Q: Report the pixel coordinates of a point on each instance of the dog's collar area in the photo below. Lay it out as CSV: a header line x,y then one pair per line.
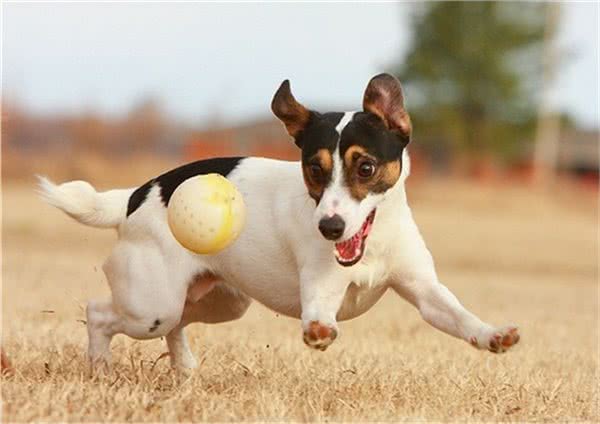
x,y
350,251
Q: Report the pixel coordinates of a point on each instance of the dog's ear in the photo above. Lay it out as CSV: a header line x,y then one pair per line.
x,y
289,111
383,97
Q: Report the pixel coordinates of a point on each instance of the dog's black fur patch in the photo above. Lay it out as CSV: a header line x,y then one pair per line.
x,y
170,180
154,325
320,133
369,131
138,197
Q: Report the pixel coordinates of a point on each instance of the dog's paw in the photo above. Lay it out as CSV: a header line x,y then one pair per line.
x,y
318,335
100,366
497,341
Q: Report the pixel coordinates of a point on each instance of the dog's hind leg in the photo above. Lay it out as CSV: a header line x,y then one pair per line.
x,y
148,296
210,301
179,350
101,326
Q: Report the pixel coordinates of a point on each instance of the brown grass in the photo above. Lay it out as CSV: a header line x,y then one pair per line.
x,y
511,255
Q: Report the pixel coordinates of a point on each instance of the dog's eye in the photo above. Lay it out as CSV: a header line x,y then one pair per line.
x,y
316,172
366,169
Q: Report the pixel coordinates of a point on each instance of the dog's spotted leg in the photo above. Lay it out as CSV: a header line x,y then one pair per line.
x,y
496,340
440,308
319,336
321,297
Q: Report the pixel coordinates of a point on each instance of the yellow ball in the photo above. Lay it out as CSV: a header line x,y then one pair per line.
x,y
206,213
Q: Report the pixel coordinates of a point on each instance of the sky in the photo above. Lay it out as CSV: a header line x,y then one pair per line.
x,y
224,61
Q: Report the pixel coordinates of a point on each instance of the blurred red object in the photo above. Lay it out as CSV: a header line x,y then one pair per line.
x,y
4,362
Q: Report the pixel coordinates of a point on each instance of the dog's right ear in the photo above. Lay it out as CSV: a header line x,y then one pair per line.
x,y
294,116
383,97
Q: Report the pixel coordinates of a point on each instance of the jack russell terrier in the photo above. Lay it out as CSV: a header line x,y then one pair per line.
x,y
324,238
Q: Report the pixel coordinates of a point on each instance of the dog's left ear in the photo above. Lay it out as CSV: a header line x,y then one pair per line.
x,y
383,97
289,111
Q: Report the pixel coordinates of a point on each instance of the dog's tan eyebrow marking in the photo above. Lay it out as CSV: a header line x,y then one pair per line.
x,y
325,160
352,151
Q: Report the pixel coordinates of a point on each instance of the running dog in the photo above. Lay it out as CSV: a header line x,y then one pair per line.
x,y
324,237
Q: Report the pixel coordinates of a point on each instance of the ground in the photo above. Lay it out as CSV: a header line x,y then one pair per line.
x,y
512,255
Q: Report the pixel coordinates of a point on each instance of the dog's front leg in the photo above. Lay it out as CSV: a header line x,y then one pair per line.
x,y
321,294
440,308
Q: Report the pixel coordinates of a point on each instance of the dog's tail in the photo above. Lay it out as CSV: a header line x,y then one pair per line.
x,y
81,201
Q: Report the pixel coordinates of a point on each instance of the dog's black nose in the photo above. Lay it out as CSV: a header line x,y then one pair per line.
x,y
332,228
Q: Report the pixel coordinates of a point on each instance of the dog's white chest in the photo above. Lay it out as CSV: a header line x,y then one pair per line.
x,y
370,271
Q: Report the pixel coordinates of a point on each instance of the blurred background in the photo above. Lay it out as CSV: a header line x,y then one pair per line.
x,y
497,91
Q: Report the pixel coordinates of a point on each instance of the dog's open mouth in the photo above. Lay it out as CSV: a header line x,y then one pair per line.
x,y
349,252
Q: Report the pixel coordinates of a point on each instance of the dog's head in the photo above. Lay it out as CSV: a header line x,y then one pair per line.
x,y
349,160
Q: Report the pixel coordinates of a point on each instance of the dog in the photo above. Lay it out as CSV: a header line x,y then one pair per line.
x,y
324,237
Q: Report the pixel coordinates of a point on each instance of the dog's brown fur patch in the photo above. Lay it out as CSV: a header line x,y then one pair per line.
x,y
325,160
353,153
383,97
390,172
294,115
385,175
297,122
316,187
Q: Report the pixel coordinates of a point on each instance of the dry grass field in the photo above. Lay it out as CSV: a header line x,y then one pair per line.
x,y
512,255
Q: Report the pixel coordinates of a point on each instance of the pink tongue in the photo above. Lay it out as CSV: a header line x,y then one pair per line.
x,y
347,249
